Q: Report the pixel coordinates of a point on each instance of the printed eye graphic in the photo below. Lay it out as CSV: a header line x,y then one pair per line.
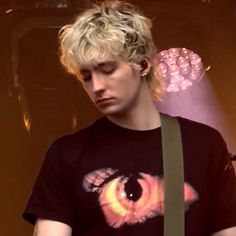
x,y
130,200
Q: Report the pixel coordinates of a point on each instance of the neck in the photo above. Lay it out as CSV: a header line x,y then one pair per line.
x,y
144,116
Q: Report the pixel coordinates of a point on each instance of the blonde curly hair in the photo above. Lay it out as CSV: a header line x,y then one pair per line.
x,y
109,28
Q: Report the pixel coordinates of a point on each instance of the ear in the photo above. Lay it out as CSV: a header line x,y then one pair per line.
x,y
145,65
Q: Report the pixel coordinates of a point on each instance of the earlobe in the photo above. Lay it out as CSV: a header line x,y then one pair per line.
x,y
145,67
144,74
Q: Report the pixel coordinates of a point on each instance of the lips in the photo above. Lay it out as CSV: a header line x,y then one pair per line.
x,y
101,101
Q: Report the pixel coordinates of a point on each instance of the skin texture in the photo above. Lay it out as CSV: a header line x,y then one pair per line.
x,y
121,93
226,232
109,86
51,228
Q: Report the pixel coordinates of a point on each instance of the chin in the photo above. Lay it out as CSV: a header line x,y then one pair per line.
x,y
118,109
111,111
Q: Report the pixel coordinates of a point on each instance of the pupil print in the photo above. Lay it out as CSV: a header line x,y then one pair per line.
x,y
133,189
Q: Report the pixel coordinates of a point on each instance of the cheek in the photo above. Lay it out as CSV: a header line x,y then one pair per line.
x,y
132,83
129,79
88,90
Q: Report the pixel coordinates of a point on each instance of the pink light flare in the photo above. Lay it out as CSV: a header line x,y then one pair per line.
x,y
180,68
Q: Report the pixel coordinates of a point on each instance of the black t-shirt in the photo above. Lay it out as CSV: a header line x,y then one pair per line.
x,y
108,180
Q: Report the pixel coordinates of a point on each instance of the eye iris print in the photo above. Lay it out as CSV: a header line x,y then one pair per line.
x,y
130,199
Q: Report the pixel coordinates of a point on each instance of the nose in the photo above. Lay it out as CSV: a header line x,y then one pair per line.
x,y
98,84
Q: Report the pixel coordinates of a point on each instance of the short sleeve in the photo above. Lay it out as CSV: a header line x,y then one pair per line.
x,y
51,196
222,185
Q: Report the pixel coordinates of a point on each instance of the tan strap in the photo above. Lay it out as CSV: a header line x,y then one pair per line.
x,y
173,176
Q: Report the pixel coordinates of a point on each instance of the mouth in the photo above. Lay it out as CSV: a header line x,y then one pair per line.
x,y
104,101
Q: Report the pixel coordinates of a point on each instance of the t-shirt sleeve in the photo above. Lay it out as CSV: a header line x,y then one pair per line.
x,y
51,197
222,184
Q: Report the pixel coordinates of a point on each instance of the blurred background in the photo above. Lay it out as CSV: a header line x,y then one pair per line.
x,y
40,102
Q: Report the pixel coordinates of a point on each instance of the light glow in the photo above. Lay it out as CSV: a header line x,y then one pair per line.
x,y
180,68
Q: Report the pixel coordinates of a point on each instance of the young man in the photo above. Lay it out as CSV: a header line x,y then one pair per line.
x,y
107,179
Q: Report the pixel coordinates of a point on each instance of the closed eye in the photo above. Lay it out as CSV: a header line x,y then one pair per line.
x,y
107,67
86,75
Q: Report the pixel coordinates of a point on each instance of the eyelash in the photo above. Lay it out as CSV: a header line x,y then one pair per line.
x,y
106,71
86,78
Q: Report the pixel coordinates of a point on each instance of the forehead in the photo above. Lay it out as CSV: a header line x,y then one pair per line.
x,y
93,64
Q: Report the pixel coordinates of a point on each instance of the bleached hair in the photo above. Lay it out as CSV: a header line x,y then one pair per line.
x,y
110,28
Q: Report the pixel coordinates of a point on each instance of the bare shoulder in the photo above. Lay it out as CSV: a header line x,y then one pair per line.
x,y
45,227
226,232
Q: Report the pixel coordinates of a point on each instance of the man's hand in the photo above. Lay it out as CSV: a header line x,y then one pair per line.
x,y
226,232
51,228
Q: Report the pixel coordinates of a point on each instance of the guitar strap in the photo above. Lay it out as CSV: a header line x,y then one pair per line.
x,y
173,176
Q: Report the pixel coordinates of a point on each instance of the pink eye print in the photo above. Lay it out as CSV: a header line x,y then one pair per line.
x,y
93,181
130,200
